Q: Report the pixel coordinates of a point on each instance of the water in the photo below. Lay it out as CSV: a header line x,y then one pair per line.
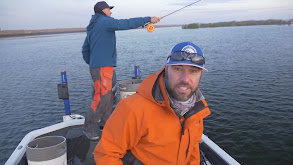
x,y
249,85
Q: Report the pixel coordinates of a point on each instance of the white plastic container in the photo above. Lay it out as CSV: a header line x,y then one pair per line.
x,y
128,87
48,150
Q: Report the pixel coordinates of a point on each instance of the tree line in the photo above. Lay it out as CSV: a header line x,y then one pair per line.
x,y
238,23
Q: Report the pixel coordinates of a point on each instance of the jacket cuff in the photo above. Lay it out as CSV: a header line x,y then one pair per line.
x,y
148,19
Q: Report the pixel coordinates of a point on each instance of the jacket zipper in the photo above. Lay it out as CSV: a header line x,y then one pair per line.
x,y
182,126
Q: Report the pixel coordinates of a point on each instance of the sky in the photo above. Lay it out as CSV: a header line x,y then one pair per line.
x,y
50,14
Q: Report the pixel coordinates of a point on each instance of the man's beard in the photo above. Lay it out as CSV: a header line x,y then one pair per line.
x,y
179,96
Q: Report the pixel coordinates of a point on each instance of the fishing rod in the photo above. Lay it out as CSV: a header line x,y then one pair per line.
x,y
151,27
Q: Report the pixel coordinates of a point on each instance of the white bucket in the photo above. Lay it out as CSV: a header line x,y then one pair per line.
x,y
49,150
128,87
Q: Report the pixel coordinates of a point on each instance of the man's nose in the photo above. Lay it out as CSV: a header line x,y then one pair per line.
x,y
185,77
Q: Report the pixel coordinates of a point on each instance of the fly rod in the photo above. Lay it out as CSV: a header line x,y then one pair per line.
x,y
151,27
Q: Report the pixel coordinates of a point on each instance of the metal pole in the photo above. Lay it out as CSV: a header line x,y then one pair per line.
x,y
66,100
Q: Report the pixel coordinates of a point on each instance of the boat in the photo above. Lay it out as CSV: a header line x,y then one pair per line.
x,y
79,149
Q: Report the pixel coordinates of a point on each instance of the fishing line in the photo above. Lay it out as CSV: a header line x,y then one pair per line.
x,y
151,27
179,9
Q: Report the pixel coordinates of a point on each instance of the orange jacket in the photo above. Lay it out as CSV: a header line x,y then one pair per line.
x,y
145,124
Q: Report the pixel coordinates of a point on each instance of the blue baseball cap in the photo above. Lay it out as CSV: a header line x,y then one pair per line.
x,y
187,48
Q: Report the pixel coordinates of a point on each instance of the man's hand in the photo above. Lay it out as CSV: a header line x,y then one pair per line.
x,y
155,19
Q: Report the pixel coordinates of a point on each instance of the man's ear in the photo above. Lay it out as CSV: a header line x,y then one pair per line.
x,y
166,67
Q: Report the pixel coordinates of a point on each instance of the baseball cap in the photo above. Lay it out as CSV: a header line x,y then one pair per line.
x,y
188,53
101,6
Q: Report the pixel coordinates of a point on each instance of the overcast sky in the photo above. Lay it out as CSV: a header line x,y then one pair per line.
x,y
47,14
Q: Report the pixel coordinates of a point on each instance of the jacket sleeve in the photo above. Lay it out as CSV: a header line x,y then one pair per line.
x,y
125,24
86,50
121,132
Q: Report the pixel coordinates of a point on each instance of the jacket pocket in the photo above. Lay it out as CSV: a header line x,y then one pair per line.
x,y
106,78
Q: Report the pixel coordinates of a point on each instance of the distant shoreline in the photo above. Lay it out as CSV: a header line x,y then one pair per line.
x,y
238,23
21,33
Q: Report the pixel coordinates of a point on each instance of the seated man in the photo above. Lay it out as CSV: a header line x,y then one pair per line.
x,y
162,123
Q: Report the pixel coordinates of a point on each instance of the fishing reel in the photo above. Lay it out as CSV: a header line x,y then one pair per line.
x,y
150,27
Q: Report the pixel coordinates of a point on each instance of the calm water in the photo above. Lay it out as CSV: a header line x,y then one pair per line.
x,y
249,85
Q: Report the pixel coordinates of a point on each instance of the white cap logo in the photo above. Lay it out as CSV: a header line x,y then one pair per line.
x,y
189,49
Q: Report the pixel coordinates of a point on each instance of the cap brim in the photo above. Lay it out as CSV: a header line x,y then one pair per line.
x,y
111,7
185,62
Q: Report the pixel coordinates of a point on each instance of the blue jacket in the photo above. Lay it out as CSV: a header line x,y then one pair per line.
x,y
99,48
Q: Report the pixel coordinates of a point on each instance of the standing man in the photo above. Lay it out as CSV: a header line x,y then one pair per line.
x,y
162,123
99,51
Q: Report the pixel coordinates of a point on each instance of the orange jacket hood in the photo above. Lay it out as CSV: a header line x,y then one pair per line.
x,y
151,89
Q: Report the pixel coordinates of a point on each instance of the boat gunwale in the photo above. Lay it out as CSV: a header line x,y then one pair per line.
x,y
20,150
